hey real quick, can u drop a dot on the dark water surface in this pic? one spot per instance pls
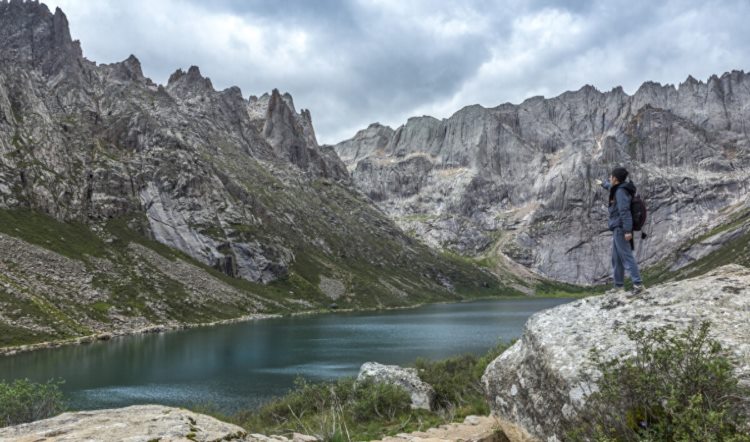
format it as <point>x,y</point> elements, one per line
<point>241,365</point>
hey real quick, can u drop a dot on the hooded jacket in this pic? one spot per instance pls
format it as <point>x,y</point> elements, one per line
<point>619,205</point>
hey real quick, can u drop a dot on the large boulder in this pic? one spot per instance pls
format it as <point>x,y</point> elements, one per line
<point>543,380</point>
<point>422,394</point>
<point>136,423</point>
<point>140,422</point>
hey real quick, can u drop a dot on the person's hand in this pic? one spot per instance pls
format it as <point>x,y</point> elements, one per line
<point>628,236</point>
<point>598,182</point>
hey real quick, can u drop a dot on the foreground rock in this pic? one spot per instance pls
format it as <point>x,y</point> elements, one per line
<point>422,394</point>
<point>137,423</point>
<point>473,429</point>
<point>541,380</point>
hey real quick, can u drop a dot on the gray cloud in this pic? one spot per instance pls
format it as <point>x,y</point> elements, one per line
<point>360,61</point>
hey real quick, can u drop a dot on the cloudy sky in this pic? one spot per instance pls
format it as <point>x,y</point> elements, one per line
<point>355,62</point>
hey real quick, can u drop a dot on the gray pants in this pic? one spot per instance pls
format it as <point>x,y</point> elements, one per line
<point>622,258</point>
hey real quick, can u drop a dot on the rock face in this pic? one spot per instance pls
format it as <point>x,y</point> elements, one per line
<point>239,185</point>
<point>545,377</point>
<point>517,180</point>
<point>422,394</point>
<point>136,423</point>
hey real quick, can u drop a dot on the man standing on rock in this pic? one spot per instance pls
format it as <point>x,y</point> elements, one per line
<point>621,224</point>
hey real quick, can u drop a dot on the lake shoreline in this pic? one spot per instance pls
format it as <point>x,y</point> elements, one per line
<point>106,336</point>
<point>168,327</point>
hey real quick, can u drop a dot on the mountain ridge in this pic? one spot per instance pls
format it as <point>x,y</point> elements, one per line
<point>463,182</point>
<point>238,189</point>
<point>690,80</point>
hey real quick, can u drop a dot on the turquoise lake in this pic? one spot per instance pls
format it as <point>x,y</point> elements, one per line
<point>242,365</point>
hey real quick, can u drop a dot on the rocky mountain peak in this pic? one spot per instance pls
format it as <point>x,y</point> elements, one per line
<point>690,83</point>
<point>588,88</point>
<point>128,70</point>
<point>191,82</point>
<point>234,92</point>
<point>375,136</point>
<point>134,65</point>
<point>32,35</point>
<point>283,125</point>
<point>287,97</point>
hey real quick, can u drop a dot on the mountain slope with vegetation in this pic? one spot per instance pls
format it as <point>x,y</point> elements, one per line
<point>127,203</point>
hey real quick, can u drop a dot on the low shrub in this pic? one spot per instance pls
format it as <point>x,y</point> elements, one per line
<point>347,410</point>
<point>457,382</point>
<point>24,401</point>
<point>679,386</point>
<point>373,401</point>
<point>340,410</point>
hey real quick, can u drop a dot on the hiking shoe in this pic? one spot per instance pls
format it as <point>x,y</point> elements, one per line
<point>615,290</point>
<point>637,289</point>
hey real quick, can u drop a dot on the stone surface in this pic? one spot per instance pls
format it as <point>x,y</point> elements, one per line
<point>140,423</point>
<point>545,377</point>
<point>473,429</point>
<point>517,180</point>
<point>422,394</point>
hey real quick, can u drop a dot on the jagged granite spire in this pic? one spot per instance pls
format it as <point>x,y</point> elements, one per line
<point>191,82</point>
<point>32,35</point>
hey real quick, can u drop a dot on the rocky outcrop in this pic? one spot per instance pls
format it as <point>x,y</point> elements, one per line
<point>543,380</point>
<point>36,38</point>
<point>422,394</point>
<point>731,235</point>
<point>516,180</point>
<point>136,423</point>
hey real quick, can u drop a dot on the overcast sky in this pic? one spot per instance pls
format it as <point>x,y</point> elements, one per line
<point>356,62</point>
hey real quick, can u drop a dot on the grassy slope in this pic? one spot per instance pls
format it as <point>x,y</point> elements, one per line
<point>131,286</point>
<point>361,247</point>
<point>134,287</point>
<point>736,251</point>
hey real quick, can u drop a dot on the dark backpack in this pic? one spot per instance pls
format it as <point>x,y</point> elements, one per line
<point>638,211</point>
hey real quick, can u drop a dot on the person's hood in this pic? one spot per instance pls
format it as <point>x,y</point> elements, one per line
<point>629,186</point>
